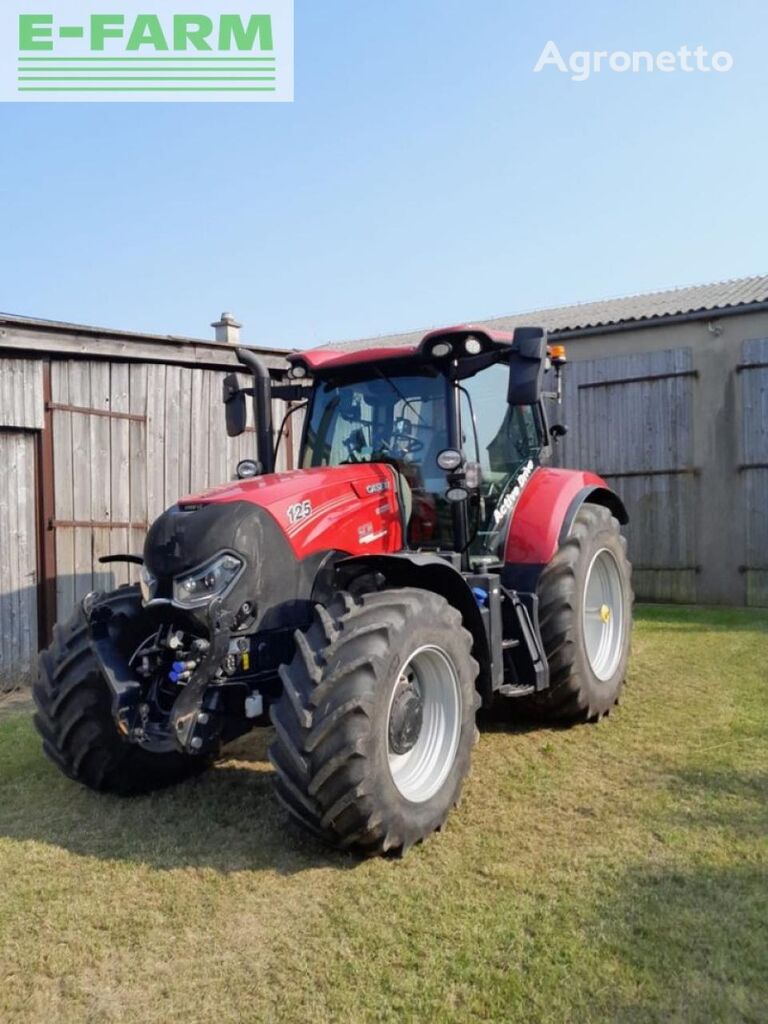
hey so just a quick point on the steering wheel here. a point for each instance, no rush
(406, 443)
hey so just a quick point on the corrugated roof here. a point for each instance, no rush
(675, 302)
(65, 327)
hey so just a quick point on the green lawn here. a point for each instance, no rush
(605, 873)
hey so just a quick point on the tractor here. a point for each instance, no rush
(423, 562)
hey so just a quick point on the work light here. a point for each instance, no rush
(442, 348)
(449, 459)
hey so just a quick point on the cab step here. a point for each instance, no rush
(510, 690)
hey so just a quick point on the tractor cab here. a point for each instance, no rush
(460, 417)
(415, 417)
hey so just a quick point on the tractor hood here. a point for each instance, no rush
(353, 508)
(258, 543)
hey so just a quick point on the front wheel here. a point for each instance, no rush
(74, 707)
(375, 726)
(585, 616)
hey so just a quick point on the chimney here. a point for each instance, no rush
(227, 330)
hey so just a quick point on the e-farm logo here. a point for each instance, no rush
(224, 50)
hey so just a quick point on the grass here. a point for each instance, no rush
(607, 873)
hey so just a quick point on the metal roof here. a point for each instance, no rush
(23, 332)
(114, 332)
(692, 301)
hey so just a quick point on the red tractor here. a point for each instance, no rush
(421, 563)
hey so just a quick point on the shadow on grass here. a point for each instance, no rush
(509, 717)
(690, 940)
(693, 942)
(724, 800)
(226, 820)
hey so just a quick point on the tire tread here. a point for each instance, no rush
(324, 717)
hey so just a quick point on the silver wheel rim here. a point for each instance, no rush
(603, 615)
(419, 773)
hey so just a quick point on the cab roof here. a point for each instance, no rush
(318, 360)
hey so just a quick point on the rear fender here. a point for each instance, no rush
(544, 517)
(429, 572)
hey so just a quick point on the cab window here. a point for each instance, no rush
(507, 438)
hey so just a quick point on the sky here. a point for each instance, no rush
(424, 175)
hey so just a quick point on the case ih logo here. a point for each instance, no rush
(76, 50)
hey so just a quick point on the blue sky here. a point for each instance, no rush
(423, 175)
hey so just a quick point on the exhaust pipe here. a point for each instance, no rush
(262, 407)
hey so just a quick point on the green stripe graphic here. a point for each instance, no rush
(147, 78)
(166, 70)
(149, 88)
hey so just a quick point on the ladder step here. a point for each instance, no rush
(509, 690)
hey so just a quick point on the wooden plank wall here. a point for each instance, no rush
(630, 419)
(21, 394)
(753, 466)
(21, 415)
(18, 559)
(132, 440)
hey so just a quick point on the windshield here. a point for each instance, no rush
(399, 419)
(403, 419)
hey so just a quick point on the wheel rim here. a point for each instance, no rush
(423, 724)
(603, 615)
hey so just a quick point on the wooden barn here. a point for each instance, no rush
(100, 430)
(666, 395)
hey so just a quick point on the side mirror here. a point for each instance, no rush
(234, 406)
(473, 475)
(558, 430)
(526, 366)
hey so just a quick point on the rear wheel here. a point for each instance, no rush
(74, 708)
(585, 615)
(376, 723)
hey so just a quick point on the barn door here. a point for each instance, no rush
(18, 559)
(99, 426)
(128, 441)
(630, 420)
(753, 469)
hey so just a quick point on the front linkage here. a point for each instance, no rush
(164, 694)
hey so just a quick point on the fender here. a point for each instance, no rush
(544, 516)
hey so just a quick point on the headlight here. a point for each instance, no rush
(147, 584)
(211, 580)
